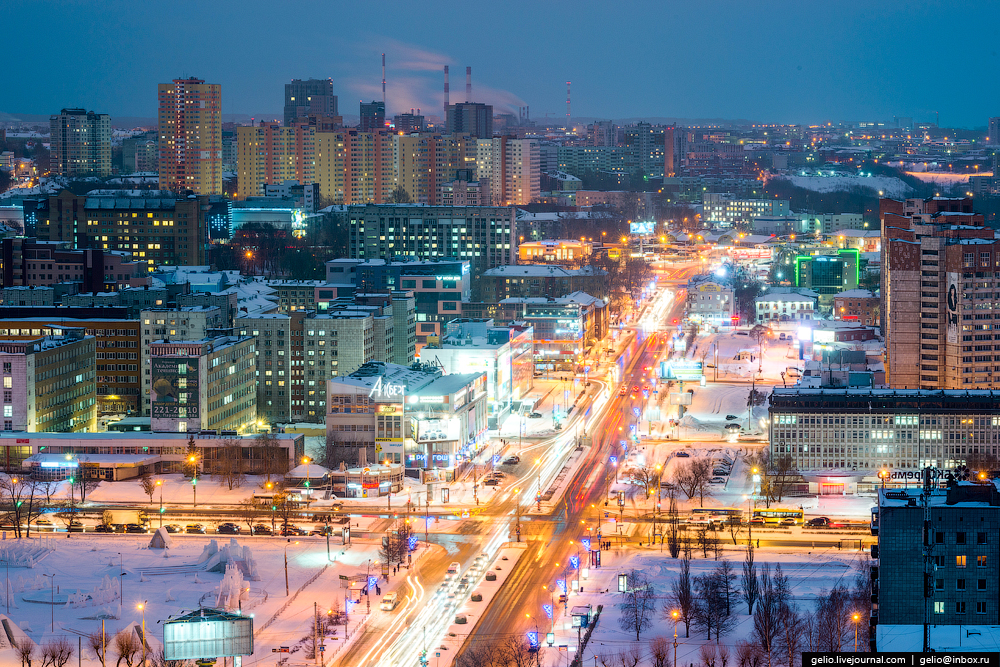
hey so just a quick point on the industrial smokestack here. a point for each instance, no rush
(446, 93)
(468, 84)
(383, 81)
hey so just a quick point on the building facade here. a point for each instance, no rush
(727, 211)
(177, 323)
(80, 143)
(710, 303)
(48, 383)
(270, 153)
(859, 305)
(563, 328)
(534, 280)
(190, 126)
(27, 262)
(354, 167)
(204, 385)
(472, 118)
(309, 97)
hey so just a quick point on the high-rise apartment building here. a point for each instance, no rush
(270, 153)
(190, 126)
(204, 385)
(940, 288)
(515, 174)
(408, 122)
(472, 118)
(48, 383)
(80, 143)
(354, 167)
(310, 97)
(372, 116)
(646, 144)
(424, 163)
(994, 130)
(156, 230)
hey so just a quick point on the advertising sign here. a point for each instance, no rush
(952, 313)
(207, 632)
(749, 253)
(435, 430)
(175, 387)
(648, 227)
(681, 370)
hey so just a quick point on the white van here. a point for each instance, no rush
(389, 601)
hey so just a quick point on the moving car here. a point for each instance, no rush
(511, 460)
(819, 522)
(292, 531)
(491, 481)
(788, 522)
(75, 527)
(389, 601)
(622, 391)
(135, 528)
(454, 568)
(194, 528)
(261, 529)
(534, 415)
(730, 418)
(228, 529)
(171, 528)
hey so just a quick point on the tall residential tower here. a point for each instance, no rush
(80, 143)
(190, 118)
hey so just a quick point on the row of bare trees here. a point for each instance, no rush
(513, 651)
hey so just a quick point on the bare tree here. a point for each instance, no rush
(748, 654)
(637, 605)
(680, 598)
(19, 494)
(629, 656)
(127, 647)
(148, 486)
(516, 652)
(25, 649)
(229, 466)
(767, 615)
(707, 654)
(56, 652)
(98, 643)
(711, 611)
(673, 530)
(724, 655)
(159, 659)
(249, 511)
(727, 582)
(751, 587)
(833, 619)
(272, 459)
(659, 651)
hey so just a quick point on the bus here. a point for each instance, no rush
(778, 515)
(720, 515)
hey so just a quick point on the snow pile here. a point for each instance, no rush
(216, 559)
(22, 553)
(105, 592)
(890, 186)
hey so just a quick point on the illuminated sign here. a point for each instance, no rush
(749, 253)
(389, 409)
(647, 227)
(684, 371)
(207, 632)
(386, 390)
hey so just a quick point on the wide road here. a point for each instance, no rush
(517, 608)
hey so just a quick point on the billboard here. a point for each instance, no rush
(749, 253)
(208, 633)
(648, 227)
(681, 370)
(174, 387)
(436, 430)
(952, 313)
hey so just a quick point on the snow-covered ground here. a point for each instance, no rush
(108, 578)
(889, 186)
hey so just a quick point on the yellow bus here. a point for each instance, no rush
(778, 515)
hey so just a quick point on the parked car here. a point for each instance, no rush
(534, 415)
(195, 529)
(228, 529)
(730, 418)
(511, 460)
(75, 527)
(819, 522)
(117, 528)
(171, 528)
(788, 522)
(292, 531)
(720, 471)
(718, 480)
(322, 531)
(261, 529)
(135, 528)
(733, 428)
(103, 528)
(781, 336)
(682, 455)
(491, 481)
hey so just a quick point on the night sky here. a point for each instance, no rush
(790, 62)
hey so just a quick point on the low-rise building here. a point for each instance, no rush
(559, 251)
(538, 280)
(48, 383)
(710, 303)
(564, 328)
(204, 385)
(786, 305)
(415, 415)
(857, 305)
(504, 353)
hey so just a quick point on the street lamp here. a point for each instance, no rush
(676, 615)
(193, 460)
(883, 475)
(142, 607)
(159, 483)
(52, 596)
(856, 617)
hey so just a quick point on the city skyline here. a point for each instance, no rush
(783, 64)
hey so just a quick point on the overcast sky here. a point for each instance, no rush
(773, 61)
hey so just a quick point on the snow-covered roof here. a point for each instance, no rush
(307, 471)
(855, 294)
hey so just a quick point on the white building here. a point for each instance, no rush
(785, 305)
(710, 303)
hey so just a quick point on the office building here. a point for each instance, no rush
(563, 328)
(726, 211)
(485, 236)
(828, 275)
(48, 383)
(155, 230)
(80, 143)
(939, 262)
(190, 126)
(304, 196)
(839, 439)
(271, 154)
(354, 167)
(407, 414)
(27, 262)
(472, 118)
(203, 385)
(504, 353)
(372, 116)
(711, 304)
(857, 305)
(116, 341)
(540, 280)
(940, 547)
(309, 97)
(177, 323)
